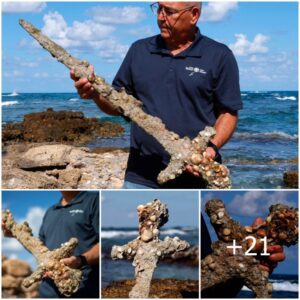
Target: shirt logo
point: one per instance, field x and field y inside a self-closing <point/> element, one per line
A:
<point x="194" y="70"/>
<point x="76" y="211"/>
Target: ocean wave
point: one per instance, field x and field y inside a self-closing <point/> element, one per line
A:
<point x="285" y="286"/>
<point x="243" y="95"/>
<point x="13" y="94"/>
<point x="173" y="232"/>
<point x="116" y="233"/>
<point x="9" y="103"/>
<point x="266" y="135"/>
<point x="73" y="99"/>
<point x="281" y="286"/>
<point x="284" y="98"/>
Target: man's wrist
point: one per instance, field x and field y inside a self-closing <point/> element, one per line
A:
<point x="83" y="260"/>
<point x="214" y="146"/>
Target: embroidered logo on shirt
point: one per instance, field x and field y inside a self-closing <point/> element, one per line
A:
<point x="194" y="70"/>
<point x="76" y="211"/>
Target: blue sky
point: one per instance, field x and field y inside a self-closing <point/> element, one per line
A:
<point x="119" y="207"/>
<point x="263" y="36"/>
<point x="245" y="207"/>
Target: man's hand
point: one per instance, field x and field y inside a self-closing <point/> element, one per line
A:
<point x="210" y="153"/>
<point x="73" y="262"/>
<point x="269" y="263"/>
<point x="84" y="86"/>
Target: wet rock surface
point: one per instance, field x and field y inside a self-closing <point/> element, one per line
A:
<point x="13" y="273"/>
<point x="58" y="126"/>
<point x="51" y="166"/>
<point x="291" y="179"/>
<point x="160" y="288"/>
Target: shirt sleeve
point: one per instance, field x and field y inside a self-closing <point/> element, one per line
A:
<point x="123" y="78"/>
<point x="227" y="87"/>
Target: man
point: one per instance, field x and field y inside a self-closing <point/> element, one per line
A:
<point x="75" y="215"/>
<point x="182" y="77"/>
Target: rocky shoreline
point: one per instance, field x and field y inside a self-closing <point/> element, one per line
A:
<point x="160" y="288"/>
<point x="46" y="151"/>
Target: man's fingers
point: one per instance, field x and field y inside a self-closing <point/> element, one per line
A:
<point x="257" y="221"/>
<point x="275" y="249"/>
<point x="276" y="257"/>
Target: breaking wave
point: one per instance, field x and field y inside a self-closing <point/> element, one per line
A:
<point x="275" y="135"/>
<point x="292" y="98"/>
<point x="9" y="103"/>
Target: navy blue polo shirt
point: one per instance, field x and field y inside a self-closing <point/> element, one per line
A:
<point x="80" y="219"/>
<point x="187" y="91"/>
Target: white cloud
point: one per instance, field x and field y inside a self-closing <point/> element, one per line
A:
<point x="11" y="245"/>
<point x="117" y="15"/>
<point x="41" y="75"/>
<point x="142" y="31"/>
<point x="84" y="35"/>
<point x="13" y="74"/>
<point x="34" y="217"/>
<point x="256" y="203"/>
<point x="23" y="7"/>
<point x="217" y="11"/>
<point x="244" y="47"/>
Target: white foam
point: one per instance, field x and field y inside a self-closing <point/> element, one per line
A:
<point x="9" y="103"/>
<point x="270" y="135"/>
<point x="172" y="232"/>
<point x="285" y="286"/>
<point x="13" y="94"/>
<point x="115" y="233"/>
<point x="292" y="98"/>
<point x="74" y="99"/>
<point x="281" y="286"/>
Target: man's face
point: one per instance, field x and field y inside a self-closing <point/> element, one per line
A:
<point x="175" y="19"/>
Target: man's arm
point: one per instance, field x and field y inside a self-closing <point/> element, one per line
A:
<point x="86" y="91"/>
<point x="91" y="256"/>
<point x="225" y="126"/>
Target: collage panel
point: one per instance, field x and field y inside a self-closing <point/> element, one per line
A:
<point x="149" y="244"/>
<point x="46" y="122"/>
<point x="50" y="244"/>
<point x="249" y="244"/>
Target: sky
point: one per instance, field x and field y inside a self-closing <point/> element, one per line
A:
<point x="262" y="35"/>
<point x="246" y="206"/>
<point x="119" y="207"/>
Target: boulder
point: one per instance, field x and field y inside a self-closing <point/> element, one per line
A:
<point x="16" y="267"/>
<point x="290" y="179"/>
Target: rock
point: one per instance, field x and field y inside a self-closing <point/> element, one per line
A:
<point x="62" y="166"/>
<point x="290" y="179"/>
<point x="160" y="288"/>
<point x="10" y="282"/>
<point x="16" y="267"/>
<point x="45" y="157"/>
<point x="58" y="126"/>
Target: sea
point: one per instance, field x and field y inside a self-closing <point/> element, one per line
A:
<point x="121" y="269"/>
<point x="263" y="147"/>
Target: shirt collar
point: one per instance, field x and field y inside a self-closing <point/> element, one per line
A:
<point x="78" y="199"/>
<point x="157" y="46"/>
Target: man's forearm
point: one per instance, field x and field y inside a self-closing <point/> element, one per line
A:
<point x="92" y="255"/>
<point x="105" y="105"/>
<point x="225" y="126"/>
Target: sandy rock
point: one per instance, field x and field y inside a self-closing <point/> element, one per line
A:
<point x="62" y="166"/>
<point x="10" y="282"/>
<point x="16" y="267"/>
<point x="44" y="157"/>
<point x="160" y="288"/>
